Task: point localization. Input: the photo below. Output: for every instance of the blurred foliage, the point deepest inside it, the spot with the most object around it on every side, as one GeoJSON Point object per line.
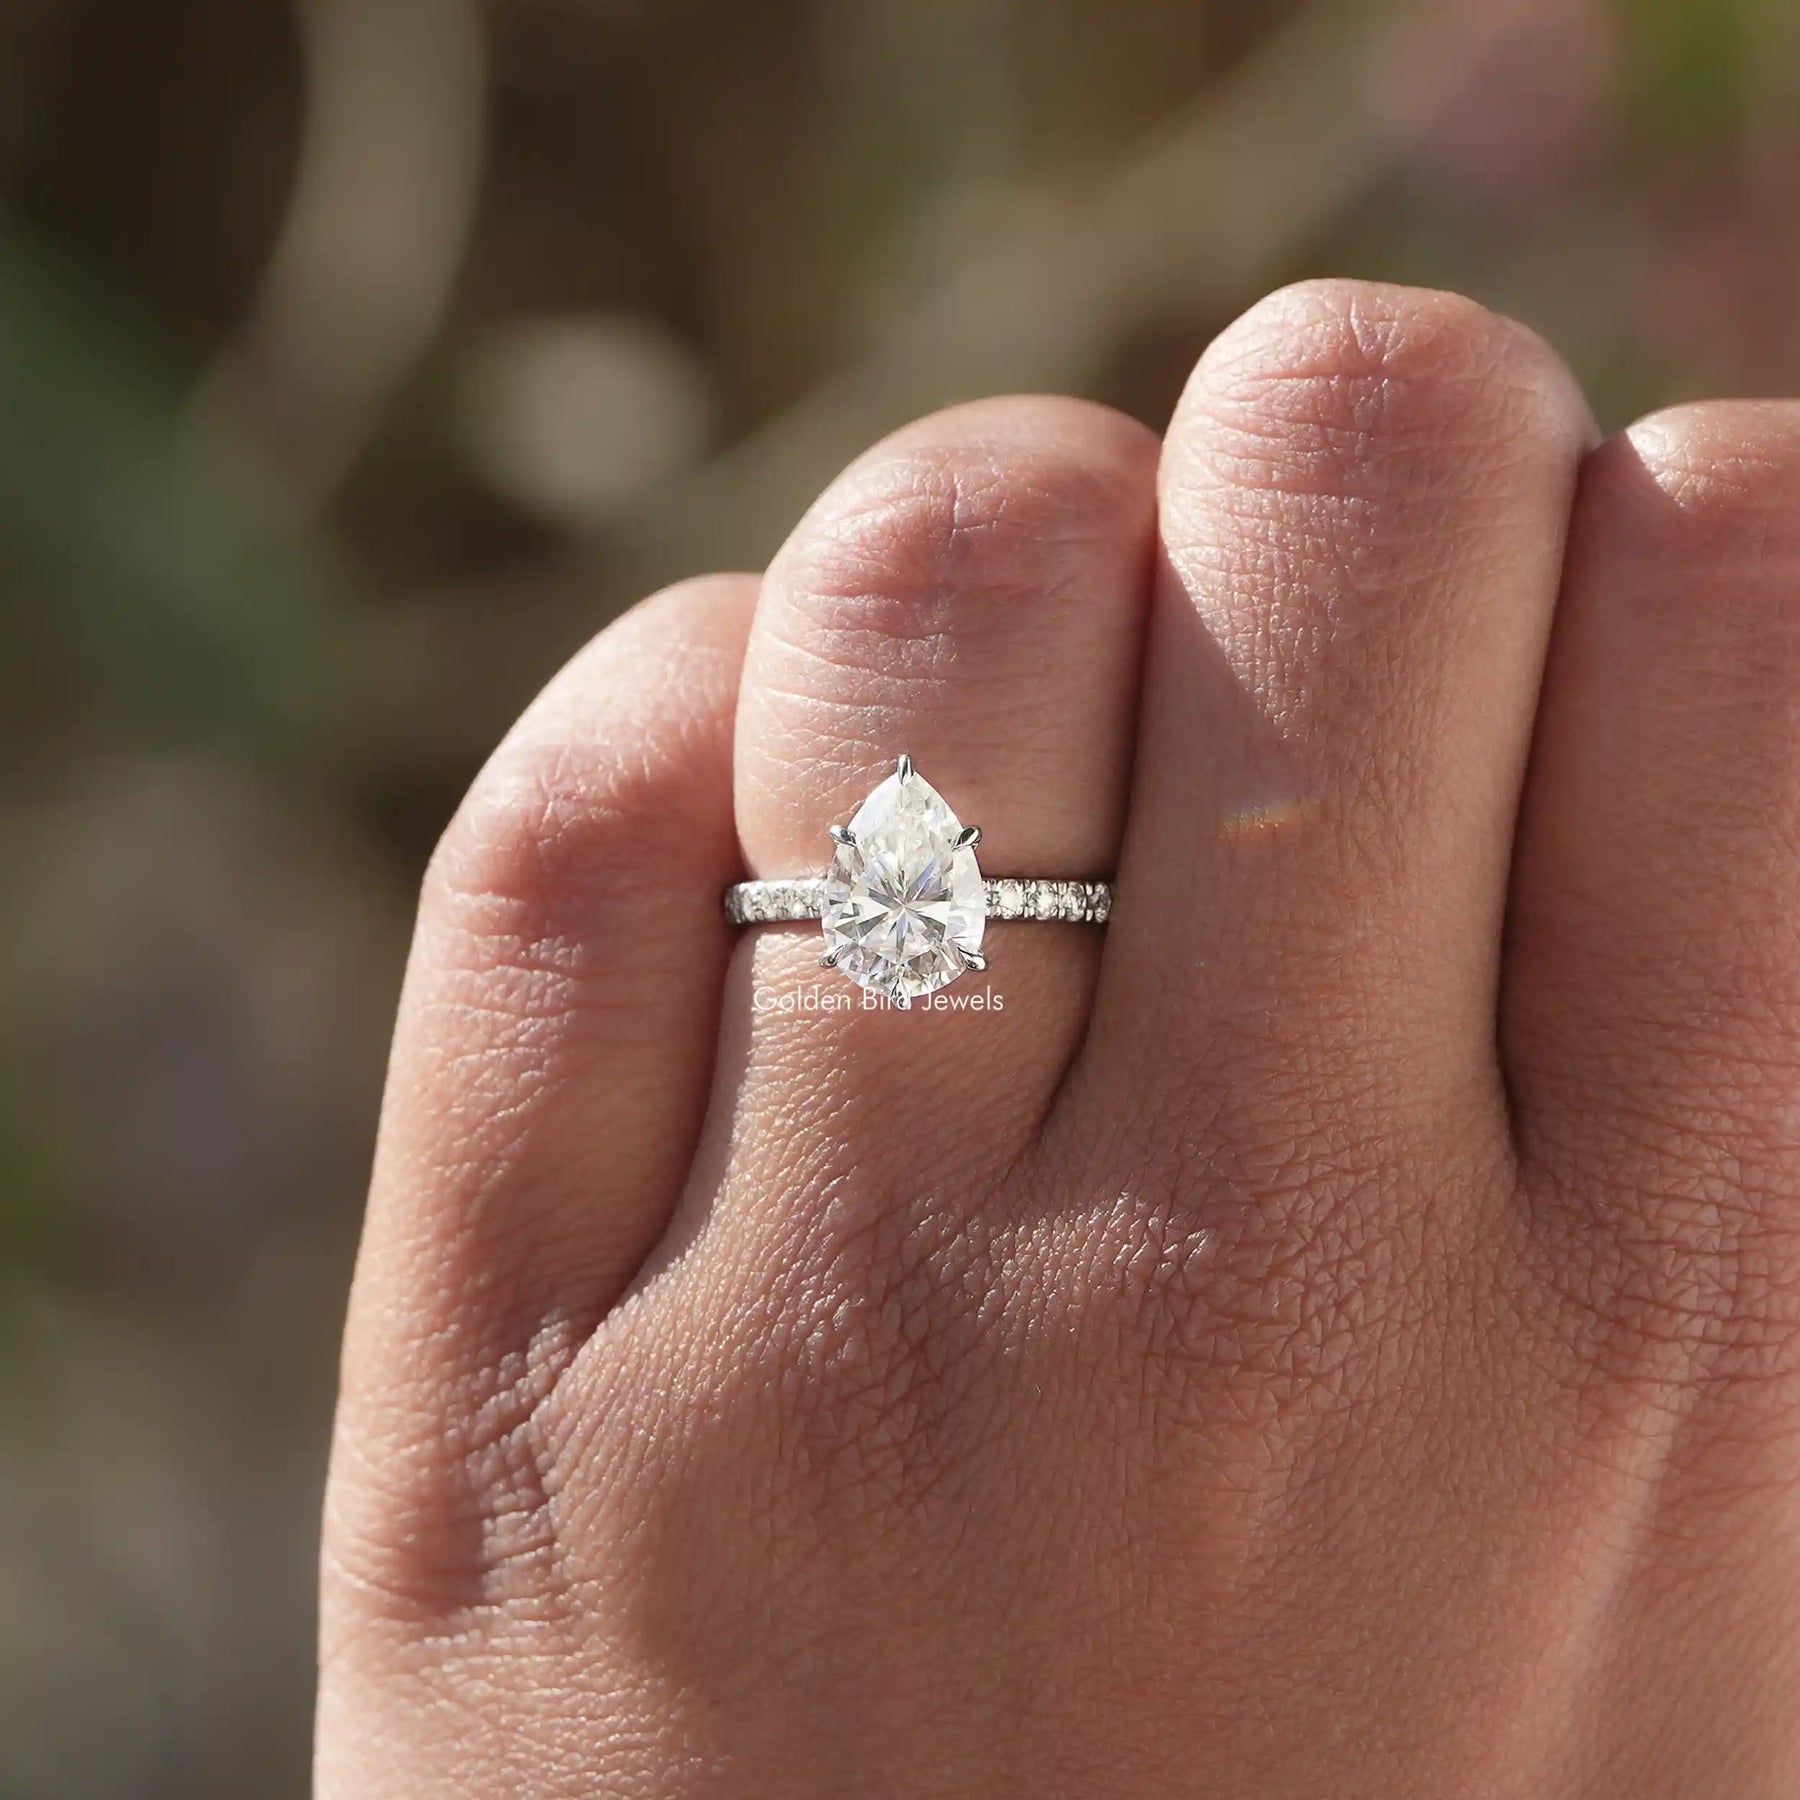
{"type": "Point", "coordinates": [36, 1190]}
{"type": "Point", "coordinates": [1691, 65]}
{"type": "Point", "coordinates": [151, 569]}
{"type": "Point", "coordinates": [359, 357]}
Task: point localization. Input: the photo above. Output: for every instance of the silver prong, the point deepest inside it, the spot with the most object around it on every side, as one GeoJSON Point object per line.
{"type": "Point", "coordinates": [840, 834]}
{"type": "Point", "coordinates": [968, 837]}
{"type": "Point", "coordinates": [830, 958]}
{"type": "Point", "coordinates": [974, 959]}
{"type": "Point", "coordinates": [900, 997]}
{"type": "Point", "coordinates": [904, 767]}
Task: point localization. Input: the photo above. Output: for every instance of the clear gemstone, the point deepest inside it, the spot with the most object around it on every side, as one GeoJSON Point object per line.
{"type": "Point", "coordinates": [902, 904]}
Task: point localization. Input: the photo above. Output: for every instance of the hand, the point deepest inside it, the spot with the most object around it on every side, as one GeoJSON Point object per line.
{"type": "Point", "coordinates": [1337, 1332]}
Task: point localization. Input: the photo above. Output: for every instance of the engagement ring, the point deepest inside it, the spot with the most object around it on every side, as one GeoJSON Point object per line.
{"type": "Point", "coordinates": [904, 904]}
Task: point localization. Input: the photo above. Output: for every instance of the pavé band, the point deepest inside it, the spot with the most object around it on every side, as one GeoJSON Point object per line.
{"type": "Point", "coordinates": [1049, 902]}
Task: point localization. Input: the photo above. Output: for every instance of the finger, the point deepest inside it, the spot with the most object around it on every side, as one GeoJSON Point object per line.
{"type": "Point", "coordinates": [1365, 493]}
{"type": "Point", "coordinates": [972, 593]}
{"type": "Point", "coordinates": [1653, 970]}
{"type": "Point", "coordinates": [557, 1030]}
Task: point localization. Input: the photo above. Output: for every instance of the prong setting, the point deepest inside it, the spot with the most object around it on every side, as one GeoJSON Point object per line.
{"type": "Point", "coordinates": [974, 959]}
{"type": "Point", "coordinates": [968, 837]}
{"type": "Point", "coordinates": [903, 899]}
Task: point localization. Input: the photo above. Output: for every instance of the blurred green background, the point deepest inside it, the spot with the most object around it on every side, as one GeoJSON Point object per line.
{"type": "Point", "coordinates": [358, 358]}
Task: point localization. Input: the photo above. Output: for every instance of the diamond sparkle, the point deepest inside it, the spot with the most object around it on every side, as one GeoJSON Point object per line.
{"type": "Point", "coordinates": [904, 904]}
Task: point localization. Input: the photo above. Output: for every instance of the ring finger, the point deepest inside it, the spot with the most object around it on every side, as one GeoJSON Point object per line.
{"type": "Point", "coordinates": [971, 594]}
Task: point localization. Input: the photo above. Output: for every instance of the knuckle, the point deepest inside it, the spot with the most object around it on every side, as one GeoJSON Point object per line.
{"type": "Point", "coordinates": [873, 1348]}
{"type": "Point", "coordinates": [892, 1363]}
{"type": "Point", "coordinates": [591, 801]}
{"type": "Point", "coordinates": [1712, 485]}
{"type": "Point", "coordinates": [1721, 461]}
{"type": "Point", "coordinates": [1272, 1271]}
{"type": "Point", "coordinates": [535, 846]}
{"type": "Point", "coordinates": [439, 1507]}
{"type": "Point", "coordinates": [1673, 1249]}
{"type": "Point", "coordinates": [958, 515]}
{"type": "Point", "coordinates": [1691, 520]}
{"type": "Point", "coordinates": [1321, 386]}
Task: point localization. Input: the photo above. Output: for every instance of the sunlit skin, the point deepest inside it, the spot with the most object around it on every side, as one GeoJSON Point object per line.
{"type": "Point", "coordinates": [1334, 1333]}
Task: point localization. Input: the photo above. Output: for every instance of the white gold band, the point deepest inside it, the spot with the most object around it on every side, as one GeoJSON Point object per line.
{"type": "Point", "coordinates": [1050, 902]}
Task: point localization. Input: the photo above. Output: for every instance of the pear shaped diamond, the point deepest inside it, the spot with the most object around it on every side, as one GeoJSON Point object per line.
{"type": "Point", "coordinates": [904, 904]}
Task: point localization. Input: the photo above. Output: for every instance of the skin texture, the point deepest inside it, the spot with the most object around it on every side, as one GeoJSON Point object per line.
{"type": "Point", "coordinates": [1337, 1332]}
